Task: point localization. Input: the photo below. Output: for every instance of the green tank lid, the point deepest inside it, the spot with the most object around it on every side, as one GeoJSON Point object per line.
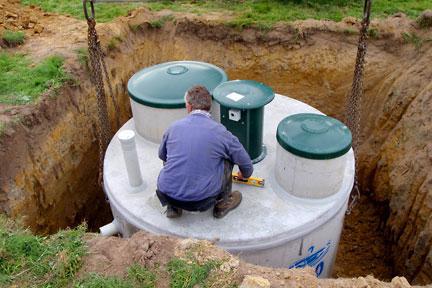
{"type": "Point", "coordinates": [164, 85]}
{"type": "Point", "coordinates": [314, 136]}
{"type": "Point", "coordinates": [243, 94]}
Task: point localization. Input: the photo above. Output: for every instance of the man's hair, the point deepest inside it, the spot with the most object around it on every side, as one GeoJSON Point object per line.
{"type": "Point", "coordinates": [199, 98]}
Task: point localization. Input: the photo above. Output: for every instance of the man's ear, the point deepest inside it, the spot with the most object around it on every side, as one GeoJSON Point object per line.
{"type": "Point", "coordinates": [188, 107]}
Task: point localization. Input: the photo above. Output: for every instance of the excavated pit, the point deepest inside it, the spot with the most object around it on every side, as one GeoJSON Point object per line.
{"type": "Point", "coordinates": [52, 179]}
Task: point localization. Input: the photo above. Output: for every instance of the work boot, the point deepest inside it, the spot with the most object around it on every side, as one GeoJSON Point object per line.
{"type": "Point", "coordinates": [173, 212]}
{"type": "Point", "coordinates": [224, 206]}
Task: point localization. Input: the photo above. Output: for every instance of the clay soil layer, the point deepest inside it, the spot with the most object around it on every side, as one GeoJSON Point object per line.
{"type": "Point", "coordinates": [50, 173]}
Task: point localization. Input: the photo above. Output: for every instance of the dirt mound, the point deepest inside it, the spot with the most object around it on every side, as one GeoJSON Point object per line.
{"type": "Point", "coordinates": [14, 17]}
{"type": "Point", "coordinates": [112, 256]}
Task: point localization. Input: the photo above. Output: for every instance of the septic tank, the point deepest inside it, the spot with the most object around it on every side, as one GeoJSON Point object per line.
{"type": "Point", "coordinates": [283, 224]}
{"type": "Point", "coordinates": [157, 93]}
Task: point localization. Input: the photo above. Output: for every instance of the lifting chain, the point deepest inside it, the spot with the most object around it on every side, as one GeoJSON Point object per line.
{"type": "Point", "coordinates": [98, 71]}
{"type": "Point", "coordinates": [353, 107]}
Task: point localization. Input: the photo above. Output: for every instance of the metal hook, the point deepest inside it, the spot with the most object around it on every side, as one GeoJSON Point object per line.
{"type": "Point", "coordinates": [366, 10]}
{"type": "Point", "coordinates": [92, 9]}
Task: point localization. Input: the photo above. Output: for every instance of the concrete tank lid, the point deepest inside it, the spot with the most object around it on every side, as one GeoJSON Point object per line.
{"type": "Point", "coordinates": [314, 136]}
{"type": "Point", "coordinates": [243, 94]}
{"type": "Point", "coordinates": [164, 85]}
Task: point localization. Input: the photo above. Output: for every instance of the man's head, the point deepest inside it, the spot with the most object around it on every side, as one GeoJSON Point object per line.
{"type": "Point", "coordinates": [198, 97]}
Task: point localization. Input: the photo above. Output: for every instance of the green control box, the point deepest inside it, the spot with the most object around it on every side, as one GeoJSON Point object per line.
{"type": "Point", "coordinates": [242, 112]}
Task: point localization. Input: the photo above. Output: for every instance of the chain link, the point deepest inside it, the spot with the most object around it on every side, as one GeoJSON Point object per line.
{"type": "Point", "coordinates": [353, 107]}
{"type": "Point", "coordinates": [98, 71]}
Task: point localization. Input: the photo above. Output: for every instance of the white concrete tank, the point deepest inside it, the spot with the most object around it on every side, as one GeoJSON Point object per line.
{"type": "Point", "coordinates": [271, 226]}
{"type": "Point", "coordinates": [157, 93]}
{"type": "Point", "coordinates": [311, 154]}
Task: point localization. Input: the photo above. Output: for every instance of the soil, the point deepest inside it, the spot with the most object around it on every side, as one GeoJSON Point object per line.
{"type": "Point", "coordinates": [363, 249]}
{"type": "Point", "coordinates": [50, 147]}
{"type": "Point", "coordinates": [112, 256]}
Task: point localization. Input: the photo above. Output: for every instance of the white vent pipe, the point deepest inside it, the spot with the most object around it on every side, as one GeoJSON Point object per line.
{"type": "Point", "coordinates": [127, 140]}
{"type": "Point", "coordinates": [110, 229]}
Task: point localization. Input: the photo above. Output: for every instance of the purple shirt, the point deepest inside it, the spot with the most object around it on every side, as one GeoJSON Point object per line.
{"type": "Point", "coordinates": [194, 149]}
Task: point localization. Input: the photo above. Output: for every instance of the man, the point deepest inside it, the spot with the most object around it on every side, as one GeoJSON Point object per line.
{"type": "Point", "coordinates": [199, 155]}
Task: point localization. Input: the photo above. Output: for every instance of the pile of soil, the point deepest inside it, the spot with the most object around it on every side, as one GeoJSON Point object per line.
{"type": "Point", "coordinates": [14, 18]}
{"type": "Point", "coordinates": [112, 256]}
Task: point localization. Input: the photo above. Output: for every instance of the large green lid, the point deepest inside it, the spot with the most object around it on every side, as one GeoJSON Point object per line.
{"type": "Point", "coordinates": [243, 94]}
{"type": "Point", "coordinates": [164, 85]}
{"type": "Point", "coordinates": [314, 136]}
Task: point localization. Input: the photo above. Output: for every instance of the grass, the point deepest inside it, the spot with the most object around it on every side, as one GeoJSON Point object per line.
{"type": "Point", "coordinates": [183, 274]}
{"type": "Point", "coordinates": [373, 32]}
{"type": "Point", "coordinates": [188, 274]}
{"type": "Point", "coordinates": [114, 42]}
{"type": "Point", "coordinates": [27, 260]}
{"type": "Point", "coordinates": [105, 12]}
{"type": "Point", "coordinates": [414, 39]}
{"type": "Point", "coordinates": [2, 128]}
{"type": "Point", "coordinates": [137, 277]}
{"type": "Point", "coordinates": [265, 13]}
{"type": "Point", "coordinates": [22, 82]}
{"type": "Point", "coordinates": [262, 13]}
{"type": "Point", "coordinates": [82, 56]}
{"type": "Point", "coordinates": [13, 38]}
{"type": "Point", "coordinates": [159, 23]}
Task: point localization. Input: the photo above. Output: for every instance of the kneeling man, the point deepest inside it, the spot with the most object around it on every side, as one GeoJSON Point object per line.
{"type": "Point", "coordinates": [199, 154]}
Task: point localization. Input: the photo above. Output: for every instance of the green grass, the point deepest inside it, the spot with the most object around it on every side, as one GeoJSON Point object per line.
{"type": "Point", "coordinates": [373, 33]}
{"type": "Point", "coordinates": [114, 42]}
{"type": "Point", "coordinates": [27, 260]}
{"type": "Point", "coordinates": [105, 12]}
{"type": "Point", "coordinates": [13, 38]}
{"type": "Point", "coordinates": [159, 23]}
{"type": "Point", "coordinates": [2, 128]}
{"type": "Point", "coordinates": [262, 13]}
{"type": "Point", "coordinates": [414, 39]}
{"type": "Point", "coordinates": [137, 277]}
{"type": "Point", "coordinates": [265, 13]}
{"type": "Point", "coordinates": [22, 82]}
{"type": "Point", "coordinates": [82, 56]}
{"type": "Point", "coordinates": [187, 274]}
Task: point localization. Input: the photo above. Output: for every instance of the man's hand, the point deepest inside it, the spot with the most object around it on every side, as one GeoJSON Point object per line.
{"type": "Point", "coordinates": [240, 175]}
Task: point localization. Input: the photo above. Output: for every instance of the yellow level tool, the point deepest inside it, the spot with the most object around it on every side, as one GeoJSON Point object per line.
{"type": "Point", "coordinates": [253, 181]}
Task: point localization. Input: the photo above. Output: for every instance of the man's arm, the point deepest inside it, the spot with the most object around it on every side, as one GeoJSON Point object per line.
{"type": "Point", "coordinates": [162, 147]}
{"type": "Point", "coordinates": [238, 155]}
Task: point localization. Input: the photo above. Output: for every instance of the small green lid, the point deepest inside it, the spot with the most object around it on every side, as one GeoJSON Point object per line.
{"type": "Point", "coordinates": [164, 85]}
{"type": "Point", "coordinates": [243, 94]}
{"type": "Point", "coordinates": [314, 136]}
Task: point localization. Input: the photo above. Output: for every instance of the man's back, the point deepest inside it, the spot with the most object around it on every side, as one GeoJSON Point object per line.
{"type": "Point", "coordinates": [194, 149]}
